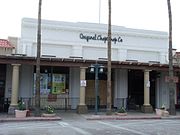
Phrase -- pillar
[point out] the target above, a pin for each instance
(15, 88)
(146, 108)
(82, 108)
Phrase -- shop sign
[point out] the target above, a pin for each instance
(83, 83)
(148, 84)
(175, 79)
(99, 37)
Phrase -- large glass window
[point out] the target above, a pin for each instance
(58, 83)
(53, 80)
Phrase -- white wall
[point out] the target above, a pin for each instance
(63, 39)
(143, 56)
(62, 51)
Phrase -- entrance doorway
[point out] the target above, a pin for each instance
(153, 77)
(178, 95)
(90, 90)
(136, 88)
(2, 86)
(102, 91)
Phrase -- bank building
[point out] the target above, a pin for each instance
(68, 51)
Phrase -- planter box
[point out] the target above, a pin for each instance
(161, 112)
(48, 114)
(20, 113)
(121, 114)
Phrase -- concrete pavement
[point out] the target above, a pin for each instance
(131, 115)
(68, 115)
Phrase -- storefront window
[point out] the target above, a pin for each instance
(58, 83)
(45, 84)
(53, 82)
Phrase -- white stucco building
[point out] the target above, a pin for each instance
(88, 40)
(139, 64)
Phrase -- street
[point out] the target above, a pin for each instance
(85, 127)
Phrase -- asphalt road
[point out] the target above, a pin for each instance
(85, 127)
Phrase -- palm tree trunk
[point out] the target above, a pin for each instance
(109, 62)
(37, 95)
(172, 109)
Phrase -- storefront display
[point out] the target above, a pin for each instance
(58, 83)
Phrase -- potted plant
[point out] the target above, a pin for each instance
(163, 107)
(21, 111)
(121, 111)
(49, 111)
(162, 111)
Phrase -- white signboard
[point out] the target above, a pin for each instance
(148, 84)
(83, 83)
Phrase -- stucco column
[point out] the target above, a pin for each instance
(82, 108)
(147, 108)
(146, 87)
(15, 88)
(82, 87)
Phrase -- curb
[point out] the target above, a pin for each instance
(30, 119)
(171, 118)
(122, 118)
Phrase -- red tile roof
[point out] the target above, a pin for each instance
(5, 43)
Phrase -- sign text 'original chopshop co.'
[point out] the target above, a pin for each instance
(100, 38)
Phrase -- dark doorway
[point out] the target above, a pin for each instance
(153, 77)
(135, 89)
(178, 94)
(2, 86)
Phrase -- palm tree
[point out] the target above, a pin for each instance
(109, 62)
(172, 109)
(37, 95)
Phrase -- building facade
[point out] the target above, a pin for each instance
(139, 66)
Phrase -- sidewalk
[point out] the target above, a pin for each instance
(131, 115)
(4, 117)
(72, 115)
